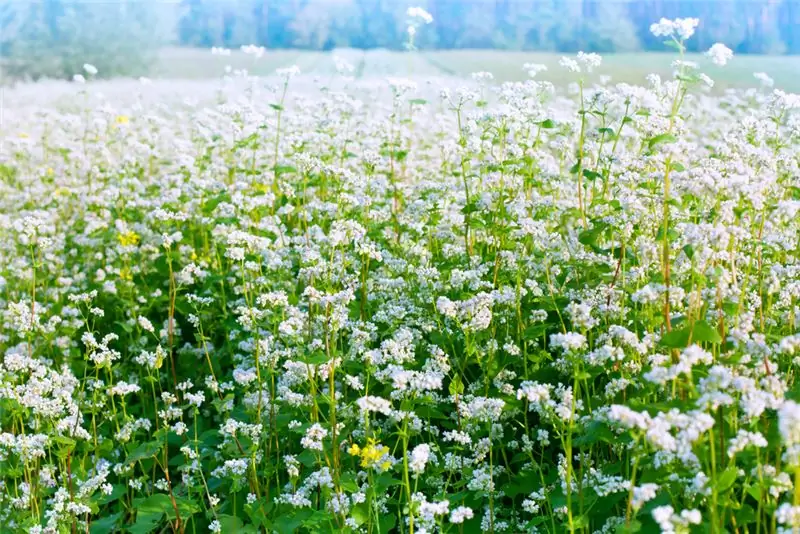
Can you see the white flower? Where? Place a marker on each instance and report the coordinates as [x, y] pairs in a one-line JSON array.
[[90, 69], [589, 61], [145, 323], [419, 458], [419, 13], [461, 514], [789, 422], [313, 438], [765, 80], [253, 50], [569, 64], [720, 54], [683, 28]]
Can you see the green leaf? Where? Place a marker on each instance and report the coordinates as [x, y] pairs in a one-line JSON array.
[[418, 101], [522, 485], [117, 491], [284, 169], [64, 440], [535, 331], [230, 523], [705, 332], [472, 207], [387, 522], [456, 386], [700, 332], [186, 507], [547, 123], [360, 513], [659, 139], [677, 166], [591, 175], [105, 524], [146, 522], [726, 479], [316, 358], [676, 339], [290, 522], [65, 445], [589, 237], [158, 502], [210, 205], [634, 526], [147, 449]]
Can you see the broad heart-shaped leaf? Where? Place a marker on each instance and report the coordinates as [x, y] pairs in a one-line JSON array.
[[230, 523], [659, 139], [705, 332], [522, 486], [146, 522], [186, 507], [589, 237], [117, 491], [145, 450], [360, 513], [591, 175], [726, 479], [158, 502], [676, 339], [211, 204], [699, 332], [387, 522], [104, 524], [289, 522]]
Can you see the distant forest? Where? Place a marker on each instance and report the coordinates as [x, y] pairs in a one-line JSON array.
[[746, 26], [55, 38]]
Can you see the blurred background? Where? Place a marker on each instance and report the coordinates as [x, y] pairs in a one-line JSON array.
[[54, 38]]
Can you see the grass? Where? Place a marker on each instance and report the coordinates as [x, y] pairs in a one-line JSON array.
[[184, 63]]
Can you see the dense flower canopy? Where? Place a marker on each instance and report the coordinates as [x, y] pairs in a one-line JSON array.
[[291, 304]]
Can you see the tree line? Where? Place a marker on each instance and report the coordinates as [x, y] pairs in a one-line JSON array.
[[746, 26], [55, 37]]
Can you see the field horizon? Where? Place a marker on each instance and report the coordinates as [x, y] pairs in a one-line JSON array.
[[504, 65]]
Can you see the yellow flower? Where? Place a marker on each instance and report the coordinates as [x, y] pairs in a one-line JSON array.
[[129, 238], [159, 357], [373, 453], [122, 119], [125, 274], [50, 171], [23, 135]]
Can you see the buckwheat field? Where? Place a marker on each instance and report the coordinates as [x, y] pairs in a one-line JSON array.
[[332, 303]]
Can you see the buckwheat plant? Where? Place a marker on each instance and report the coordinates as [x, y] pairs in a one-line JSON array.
[[415, 306]]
